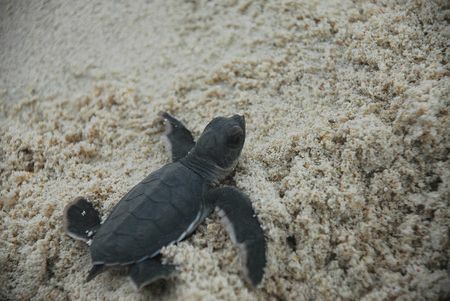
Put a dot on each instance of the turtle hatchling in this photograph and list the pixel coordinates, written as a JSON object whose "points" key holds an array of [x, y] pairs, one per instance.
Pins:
{"points": [[169, 204]]}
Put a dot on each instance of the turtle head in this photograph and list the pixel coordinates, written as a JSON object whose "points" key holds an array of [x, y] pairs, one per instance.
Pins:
{"points": [[222, 141], [220, 145]]}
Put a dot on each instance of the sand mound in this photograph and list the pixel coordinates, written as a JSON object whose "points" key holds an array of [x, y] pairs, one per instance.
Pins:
{"points": [[346, 160]]}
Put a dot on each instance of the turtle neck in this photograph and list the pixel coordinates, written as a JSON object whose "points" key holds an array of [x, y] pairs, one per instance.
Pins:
{"points": [[207, 169]]}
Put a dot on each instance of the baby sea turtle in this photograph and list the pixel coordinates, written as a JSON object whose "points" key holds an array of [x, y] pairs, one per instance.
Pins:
{"points": [[170, 203]]}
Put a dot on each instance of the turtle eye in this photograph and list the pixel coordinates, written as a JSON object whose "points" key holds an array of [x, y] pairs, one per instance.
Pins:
{"points": [[234, 137]]}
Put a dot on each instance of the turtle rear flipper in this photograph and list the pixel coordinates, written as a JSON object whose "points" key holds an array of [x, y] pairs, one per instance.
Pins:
{"points": [[96, 269], [242, 225], [148, 271], [81, 219], [180, 140]]}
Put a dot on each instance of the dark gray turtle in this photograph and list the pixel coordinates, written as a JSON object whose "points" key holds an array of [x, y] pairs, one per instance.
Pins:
{"points": [[170, 203]]}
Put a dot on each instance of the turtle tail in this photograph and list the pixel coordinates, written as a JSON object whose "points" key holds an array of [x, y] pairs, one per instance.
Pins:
{"points": [[81, 219]]}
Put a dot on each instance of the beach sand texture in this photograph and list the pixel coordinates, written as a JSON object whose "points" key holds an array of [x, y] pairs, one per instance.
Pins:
{"points": [[346, 159]]}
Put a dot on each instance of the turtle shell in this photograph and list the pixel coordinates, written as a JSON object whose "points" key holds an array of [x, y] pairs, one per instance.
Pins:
{"points": [[162, 209]]}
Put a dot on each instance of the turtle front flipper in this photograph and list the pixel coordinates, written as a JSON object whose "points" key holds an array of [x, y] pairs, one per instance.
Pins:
{"points": [[81, 219], [180, 140], [241, 222], [148, 271]]}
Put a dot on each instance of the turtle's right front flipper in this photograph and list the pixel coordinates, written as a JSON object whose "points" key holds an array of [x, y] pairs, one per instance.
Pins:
{"points": [[81, 219], [244, 228], [180, 138]]}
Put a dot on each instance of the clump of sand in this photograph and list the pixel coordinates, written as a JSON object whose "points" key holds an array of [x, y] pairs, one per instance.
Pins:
{"points": [[346, 159]]}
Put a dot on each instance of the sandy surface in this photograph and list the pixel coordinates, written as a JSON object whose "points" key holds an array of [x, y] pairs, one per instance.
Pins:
{"points": [[346, 160]]}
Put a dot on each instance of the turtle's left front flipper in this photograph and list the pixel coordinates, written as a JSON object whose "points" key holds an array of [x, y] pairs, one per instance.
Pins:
{"points": [[244, 228], [179, 137]]}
